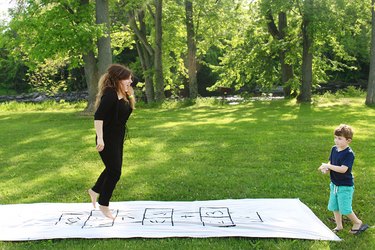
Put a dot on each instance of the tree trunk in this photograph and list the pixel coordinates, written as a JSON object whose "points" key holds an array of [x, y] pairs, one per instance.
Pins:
{"points": [[192, 50], [286, 69], [104, 42], [370, 98], [279, 34], [140, 32], [307, 57], [91, 74], [146, 62], [159, 79], [145, 52]]}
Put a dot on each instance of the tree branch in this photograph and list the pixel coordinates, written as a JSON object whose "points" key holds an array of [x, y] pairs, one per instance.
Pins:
{"points": [[142, 37], [67, 7], [272, 26], [151, 12]]}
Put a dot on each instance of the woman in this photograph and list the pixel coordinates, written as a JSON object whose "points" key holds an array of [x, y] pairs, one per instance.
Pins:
{"points": [[115, 102]]}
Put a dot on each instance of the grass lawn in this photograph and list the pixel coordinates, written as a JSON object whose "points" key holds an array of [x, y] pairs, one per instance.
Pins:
{"points": [[205, 151]]}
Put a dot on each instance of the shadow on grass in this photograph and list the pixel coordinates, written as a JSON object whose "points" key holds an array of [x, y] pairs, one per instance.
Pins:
{"points": [[231, 152], [40, 150], [255, 150]]}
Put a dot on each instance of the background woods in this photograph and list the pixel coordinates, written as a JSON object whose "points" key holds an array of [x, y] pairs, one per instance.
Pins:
{"points": [[189, 48]]}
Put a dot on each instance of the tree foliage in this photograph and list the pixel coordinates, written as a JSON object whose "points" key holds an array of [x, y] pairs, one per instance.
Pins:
{"points": [[54, 29], [52, 34], [246, 45]]}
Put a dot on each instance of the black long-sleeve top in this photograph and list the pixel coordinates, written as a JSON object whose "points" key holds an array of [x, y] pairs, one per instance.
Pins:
{"points": [[114, 113]]}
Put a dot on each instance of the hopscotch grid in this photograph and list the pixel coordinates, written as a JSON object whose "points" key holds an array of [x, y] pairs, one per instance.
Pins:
{"points": [[208, 216]]}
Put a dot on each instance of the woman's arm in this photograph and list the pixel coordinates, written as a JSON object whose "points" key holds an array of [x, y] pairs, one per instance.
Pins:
{"points": [[98, 124]]}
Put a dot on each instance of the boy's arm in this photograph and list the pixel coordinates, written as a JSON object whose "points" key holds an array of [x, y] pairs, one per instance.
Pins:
{"points": [[340, 169]]}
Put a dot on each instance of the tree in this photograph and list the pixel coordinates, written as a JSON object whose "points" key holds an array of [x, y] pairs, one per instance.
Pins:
{"points": [[250, 57], [248, 44], [145, 52], [279, 32], [145, 20], [192, 50], [12, 69], [91, 72], [370, 98], [159, 80], [65, 32], [104, 42], [307, 55], [93, 67], [333, 31]]}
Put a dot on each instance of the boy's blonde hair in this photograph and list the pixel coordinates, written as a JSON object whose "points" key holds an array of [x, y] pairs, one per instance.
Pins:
{"points": [[345, 131]]}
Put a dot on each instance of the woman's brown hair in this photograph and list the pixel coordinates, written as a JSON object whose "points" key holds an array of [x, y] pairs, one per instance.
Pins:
{"points": [[111, 79]]}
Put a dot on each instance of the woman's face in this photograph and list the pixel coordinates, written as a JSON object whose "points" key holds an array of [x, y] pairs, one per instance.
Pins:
{"points": [[125, 84]]}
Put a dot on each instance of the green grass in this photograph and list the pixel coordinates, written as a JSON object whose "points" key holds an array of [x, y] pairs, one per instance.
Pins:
{"points": [[6, 91], [186, 152]]}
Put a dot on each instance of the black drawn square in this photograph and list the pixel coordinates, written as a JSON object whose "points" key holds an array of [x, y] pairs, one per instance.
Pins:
{"points": [[97, 220], [68, 219], [216, 216], [158, 216]]}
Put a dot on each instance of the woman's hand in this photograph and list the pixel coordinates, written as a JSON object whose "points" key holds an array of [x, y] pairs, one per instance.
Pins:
{"points": [[129, 91], [127, 87], [98, 124], [99, 144]]}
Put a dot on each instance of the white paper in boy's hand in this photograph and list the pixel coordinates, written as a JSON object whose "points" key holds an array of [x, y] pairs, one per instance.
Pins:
{"points": [[325, 168]]}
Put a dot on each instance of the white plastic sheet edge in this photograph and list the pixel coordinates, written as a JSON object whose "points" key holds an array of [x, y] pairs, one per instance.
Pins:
{"points": [[259, 218]]}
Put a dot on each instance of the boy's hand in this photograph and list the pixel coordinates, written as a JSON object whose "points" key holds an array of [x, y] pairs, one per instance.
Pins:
{"points": [[324, 168]]}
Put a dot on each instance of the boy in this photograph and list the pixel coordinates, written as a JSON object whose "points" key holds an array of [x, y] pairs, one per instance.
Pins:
{"points": [[342, 184]]}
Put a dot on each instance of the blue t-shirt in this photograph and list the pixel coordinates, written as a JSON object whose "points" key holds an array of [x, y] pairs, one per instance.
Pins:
{"points": [[339, 158]]}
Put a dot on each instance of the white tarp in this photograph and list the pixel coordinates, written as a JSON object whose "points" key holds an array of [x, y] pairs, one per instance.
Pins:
{"points": [[261, 218]]}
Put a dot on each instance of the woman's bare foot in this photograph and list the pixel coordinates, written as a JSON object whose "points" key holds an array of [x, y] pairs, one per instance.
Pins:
{"points": [[93, 196], [107, 213]]}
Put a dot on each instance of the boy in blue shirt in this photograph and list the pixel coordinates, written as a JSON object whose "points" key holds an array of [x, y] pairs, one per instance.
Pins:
{"points": [[342, 184]]}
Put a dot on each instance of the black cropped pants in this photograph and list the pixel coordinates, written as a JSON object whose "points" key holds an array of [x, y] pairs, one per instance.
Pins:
{"points": [[112, 159]]}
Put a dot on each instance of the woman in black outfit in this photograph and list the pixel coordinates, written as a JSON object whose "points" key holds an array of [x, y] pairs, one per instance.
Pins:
{"points": [[115, 102]]}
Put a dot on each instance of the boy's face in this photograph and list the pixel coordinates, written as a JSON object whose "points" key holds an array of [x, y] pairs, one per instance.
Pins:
{"points": [[341, 142]]}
